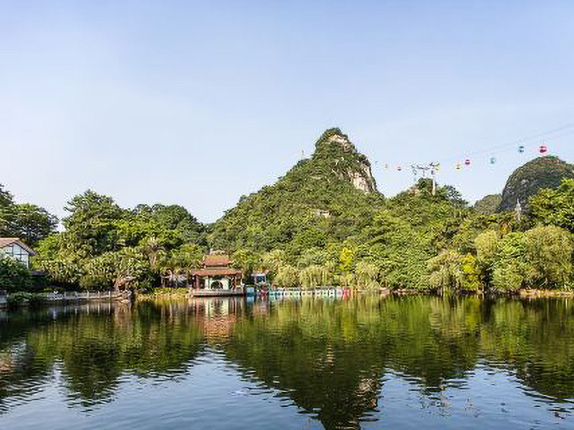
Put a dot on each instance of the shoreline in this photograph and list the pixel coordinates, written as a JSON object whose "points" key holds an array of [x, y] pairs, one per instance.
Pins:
{"points": [[183, 293]]}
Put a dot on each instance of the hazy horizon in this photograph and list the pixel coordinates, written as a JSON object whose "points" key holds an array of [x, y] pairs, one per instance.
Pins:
{"points": [[199, 103]]}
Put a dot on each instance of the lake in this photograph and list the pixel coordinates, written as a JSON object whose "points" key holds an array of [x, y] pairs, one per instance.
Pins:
{"points": [[417, 362]]}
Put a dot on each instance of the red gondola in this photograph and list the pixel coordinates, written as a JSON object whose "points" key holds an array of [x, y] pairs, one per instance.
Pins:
{"points": [[467, 162], [543, 149]]}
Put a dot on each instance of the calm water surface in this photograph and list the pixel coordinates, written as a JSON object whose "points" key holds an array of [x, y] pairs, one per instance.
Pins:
{"points": [[362, 363]]}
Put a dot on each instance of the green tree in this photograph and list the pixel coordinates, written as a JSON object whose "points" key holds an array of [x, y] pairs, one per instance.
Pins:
{"points": [[287, 276], [346, 260], [555, 206], [315, 276], [510, 265], [446, 271], [33, 223], [486, 249], [7, 212], [549, 251], [14, 276], [246, 260], [398, 250], [367, 275], [313, 256], [91, 225]]}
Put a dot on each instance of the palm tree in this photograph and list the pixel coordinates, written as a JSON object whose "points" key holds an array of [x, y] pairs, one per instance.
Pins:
{"points": [[153, 250]]}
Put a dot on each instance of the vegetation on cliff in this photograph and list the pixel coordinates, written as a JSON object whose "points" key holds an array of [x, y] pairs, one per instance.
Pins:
{"points": [[526, 181], [488, 205], [327, 198]]}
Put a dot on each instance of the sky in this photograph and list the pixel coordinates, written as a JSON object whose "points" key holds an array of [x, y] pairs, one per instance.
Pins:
{"points": [[200, 102]]}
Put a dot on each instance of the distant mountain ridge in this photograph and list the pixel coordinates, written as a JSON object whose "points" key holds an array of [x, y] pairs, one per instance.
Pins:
{"points": [[527, 180], [329, 196]]}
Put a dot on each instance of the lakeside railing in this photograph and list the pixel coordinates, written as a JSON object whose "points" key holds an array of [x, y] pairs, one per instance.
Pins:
{"points": [[68, 296], [83, 295]]}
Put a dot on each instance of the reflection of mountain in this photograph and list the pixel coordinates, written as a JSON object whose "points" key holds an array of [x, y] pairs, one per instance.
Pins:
{"points": [[338, 382], [330, 358]]}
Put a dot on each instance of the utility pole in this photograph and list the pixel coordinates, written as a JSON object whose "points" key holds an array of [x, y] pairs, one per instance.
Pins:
{"points": [[434, 168], [424, 168]]}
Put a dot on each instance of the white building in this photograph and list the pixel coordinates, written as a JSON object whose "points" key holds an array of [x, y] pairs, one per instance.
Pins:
{"points": [[17, 249]]}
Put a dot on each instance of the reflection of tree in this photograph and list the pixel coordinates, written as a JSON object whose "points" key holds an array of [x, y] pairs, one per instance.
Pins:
{"points": [[328, 357], [96, 349], [21, 375], [536, 338]]}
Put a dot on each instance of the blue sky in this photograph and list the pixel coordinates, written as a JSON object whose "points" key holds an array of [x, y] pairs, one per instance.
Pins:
{"points": [[197, 103]]}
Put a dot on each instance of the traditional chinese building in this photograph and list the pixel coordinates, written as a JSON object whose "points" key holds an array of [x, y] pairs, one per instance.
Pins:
{"points": [[216, 277]]}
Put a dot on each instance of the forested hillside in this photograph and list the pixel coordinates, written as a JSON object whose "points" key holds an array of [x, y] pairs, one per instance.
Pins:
{"points": [[328, 197], [323, 223]]}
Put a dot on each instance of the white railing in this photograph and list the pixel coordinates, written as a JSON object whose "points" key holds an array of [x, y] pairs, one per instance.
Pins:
{"points": [[80, 295], [70, 296]]}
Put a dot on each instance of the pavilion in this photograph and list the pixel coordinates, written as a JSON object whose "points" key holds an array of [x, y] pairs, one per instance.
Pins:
{"points": [[216, 277]]}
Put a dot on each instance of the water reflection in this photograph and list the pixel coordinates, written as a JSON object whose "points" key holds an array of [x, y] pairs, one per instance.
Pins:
{"points": [[340, 362]]}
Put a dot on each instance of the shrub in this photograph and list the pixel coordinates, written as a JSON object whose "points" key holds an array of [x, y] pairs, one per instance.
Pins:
{"points": [[450, 270], [549, 256], [287, 276], [14, 275], [510, 265], [315, 276], [486, 245], [367, 275], [17, 299]]}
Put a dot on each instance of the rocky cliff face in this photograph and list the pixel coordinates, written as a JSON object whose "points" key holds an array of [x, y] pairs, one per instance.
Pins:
{"points": [[337, 153], [543, 172], [332, 194]]}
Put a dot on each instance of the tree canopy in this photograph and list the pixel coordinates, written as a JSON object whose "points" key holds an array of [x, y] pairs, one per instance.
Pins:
{"points": [[323, 223]]}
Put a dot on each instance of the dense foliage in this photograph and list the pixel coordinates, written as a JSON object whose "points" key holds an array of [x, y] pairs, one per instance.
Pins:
{"points": [[324, 223], [424, 241], [104, 245], [29, 222], [314, 204], [14, 276], [488, 204]]}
